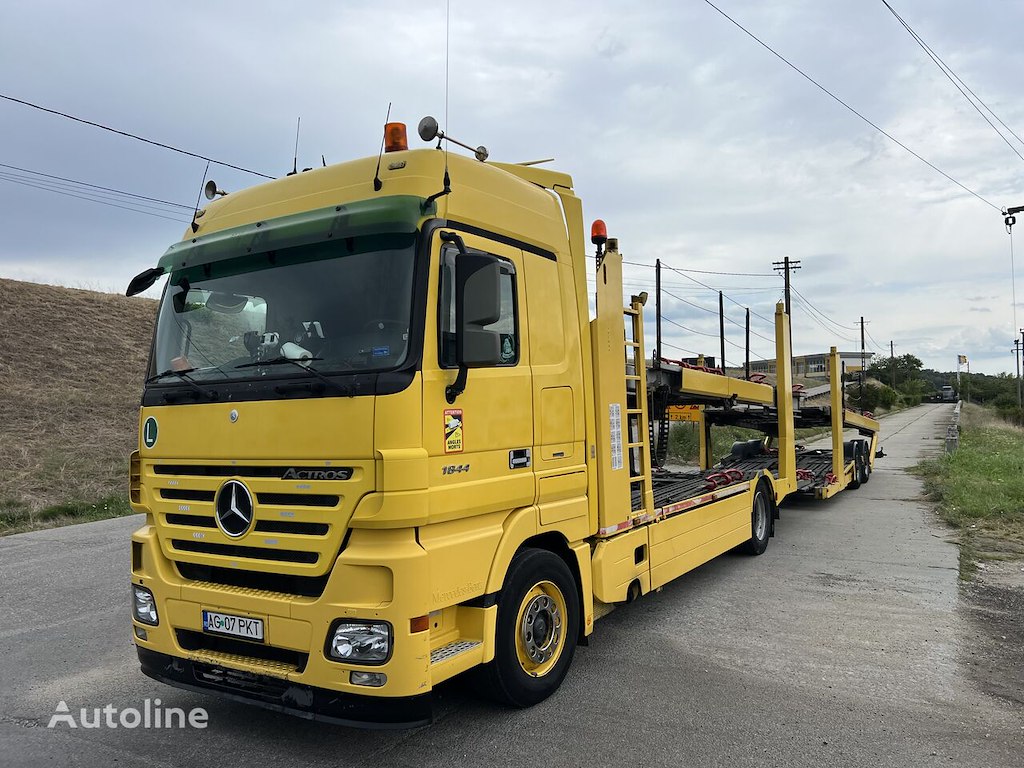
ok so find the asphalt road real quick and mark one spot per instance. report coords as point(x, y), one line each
point(845, 644)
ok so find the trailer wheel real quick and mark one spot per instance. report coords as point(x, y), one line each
point(537, 626)
point(760, 522)
point(852, 451)
point(865, 461)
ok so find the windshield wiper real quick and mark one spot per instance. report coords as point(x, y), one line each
point(345, 389)
point(184, 376)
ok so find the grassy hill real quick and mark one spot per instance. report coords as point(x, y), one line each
point(71, 369)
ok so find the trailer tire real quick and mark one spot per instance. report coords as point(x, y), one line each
point(865, 461)
point(760, 521)
point(852, 451)
point(537, 627)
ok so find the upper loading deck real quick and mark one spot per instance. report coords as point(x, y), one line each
point(822, 471)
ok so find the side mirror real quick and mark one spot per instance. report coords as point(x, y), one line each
point(143, 280)
point(477, 304)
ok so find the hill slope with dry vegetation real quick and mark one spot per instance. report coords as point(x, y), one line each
point(71, 369)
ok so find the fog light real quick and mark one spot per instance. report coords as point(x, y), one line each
point(141, 633)
point(144, 606)
point(372, 679)
point(365, 642)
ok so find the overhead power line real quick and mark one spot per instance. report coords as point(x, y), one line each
point(708, 287)
point(690, 303)
point(716, 290)
point(689, 330)
point(829, 93)
point(958, 83)
point(809, 303)
point(875, 344)
point(681, 349)
point(6, 177)
point(702, 271)
point(96, 187)
point(819, 322)
point(132, 136)
point(703, 333)
point(647, 282)
point(715, 313)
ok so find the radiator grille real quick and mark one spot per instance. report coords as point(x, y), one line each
point(247, 553)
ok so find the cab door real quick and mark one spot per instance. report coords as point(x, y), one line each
point(480, 446)
point(556, 360)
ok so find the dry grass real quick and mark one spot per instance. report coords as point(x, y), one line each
point(71, 369)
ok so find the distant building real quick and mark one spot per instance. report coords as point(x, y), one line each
point(814, 366)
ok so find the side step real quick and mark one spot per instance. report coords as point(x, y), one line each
point(453, 658)
point(453, 649)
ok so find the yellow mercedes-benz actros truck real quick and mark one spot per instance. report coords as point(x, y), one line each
point(382, 442)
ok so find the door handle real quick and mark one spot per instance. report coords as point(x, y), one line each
point(519, 458)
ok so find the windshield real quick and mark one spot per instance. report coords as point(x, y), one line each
point(337, 307)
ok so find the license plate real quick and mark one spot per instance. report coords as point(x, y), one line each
point(235, 626)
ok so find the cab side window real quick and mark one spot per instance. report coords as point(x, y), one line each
point(507, 324)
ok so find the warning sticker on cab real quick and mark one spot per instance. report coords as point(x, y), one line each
point(453, 430)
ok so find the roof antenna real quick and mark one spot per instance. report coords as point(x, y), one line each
point(377, 183)
point(428, 126)
point(295, 160)
point(323, 160)
point(195, 213)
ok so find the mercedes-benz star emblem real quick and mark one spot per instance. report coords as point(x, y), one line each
point(234, 509)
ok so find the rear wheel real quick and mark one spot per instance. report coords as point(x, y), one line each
point(537, 626)
point(852, 452)
point(865, 459)
point(760, 522)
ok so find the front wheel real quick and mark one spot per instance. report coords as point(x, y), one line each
point(537, 626)
point(760, 522)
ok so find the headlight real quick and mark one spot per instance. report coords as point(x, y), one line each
point(144, 606)
point(361, 642)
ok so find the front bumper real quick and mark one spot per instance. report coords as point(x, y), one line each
point(297, 699)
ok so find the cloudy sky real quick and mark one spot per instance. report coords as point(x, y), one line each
point(692, 141)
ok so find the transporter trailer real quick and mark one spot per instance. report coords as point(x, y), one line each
point(820, 472)
point(382, 443)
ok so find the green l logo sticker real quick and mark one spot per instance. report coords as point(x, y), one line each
point(149, 432)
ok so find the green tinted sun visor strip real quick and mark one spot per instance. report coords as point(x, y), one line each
point(399, 214)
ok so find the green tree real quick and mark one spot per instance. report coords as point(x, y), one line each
point(908, 368)
point(873, 398)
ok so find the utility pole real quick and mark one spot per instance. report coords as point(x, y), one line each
point(863, 361)
point(892, 362)
point(721, 328)
point(1016, 359)
point(747, 371)
point(842, 380)
point(1018, 370)
point(786, 266)
point(657, 314)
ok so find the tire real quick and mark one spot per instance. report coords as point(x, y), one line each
point(537, 628)
point(865, 461)
point(852, 450)
point(760, 522)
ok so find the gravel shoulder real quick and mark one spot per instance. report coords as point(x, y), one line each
point(994, 604)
